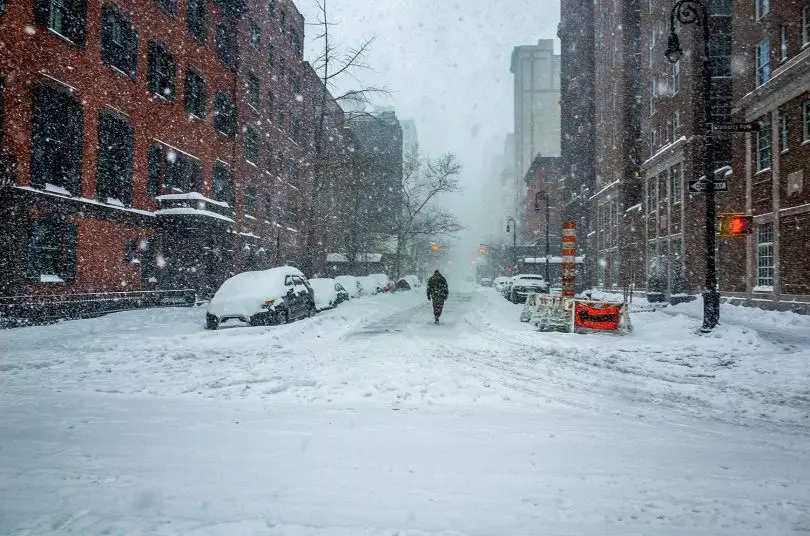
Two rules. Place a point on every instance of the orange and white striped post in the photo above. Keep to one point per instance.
(569, 258)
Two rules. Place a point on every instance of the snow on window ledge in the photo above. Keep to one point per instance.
(115, 202)
(763, 288)
(49, 278)
(54, 189)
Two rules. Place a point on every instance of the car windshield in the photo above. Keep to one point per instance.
(404, 267)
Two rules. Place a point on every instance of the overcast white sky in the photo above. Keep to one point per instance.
(447, 63)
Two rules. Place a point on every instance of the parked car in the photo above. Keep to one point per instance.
(485, 282)
(261, 298)
(328, 293)
(350, 283)
(408, 282)
(525, 284)
(499, 282)
(369, 285)
(383, 281)
(506, 288)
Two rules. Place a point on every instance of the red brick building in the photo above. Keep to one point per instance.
(771, 167)
(156, 144)
(542, 183)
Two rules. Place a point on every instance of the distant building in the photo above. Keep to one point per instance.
(536, 71)
(379, 141)
(410, 138)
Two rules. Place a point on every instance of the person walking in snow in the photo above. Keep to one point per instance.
(437, 291)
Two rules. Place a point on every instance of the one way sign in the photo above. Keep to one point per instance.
(697, 187)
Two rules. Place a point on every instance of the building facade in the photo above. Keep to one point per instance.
(543, 194)
(536, 74)
(150, 145)
(770, 167)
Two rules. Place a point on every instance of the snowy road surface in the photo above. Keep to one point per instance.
(369, 420)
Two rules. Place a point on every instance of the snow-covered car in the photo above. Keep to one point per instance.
(499, 282)
(485, 282)
(408, 282)
(261, 298)
(383, 281)
(350, 283)
(328, 293)
(525, 284)
(506, 288)
(369, 285)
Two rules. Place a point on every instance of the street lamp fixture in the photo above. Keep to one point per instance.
(688, 12)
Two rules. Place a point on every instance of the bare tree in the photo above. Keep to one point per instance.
(424, 181)
(331, 162)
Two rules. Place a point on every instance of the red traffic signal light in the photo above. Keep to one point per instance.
(736, 225)
(482, 250)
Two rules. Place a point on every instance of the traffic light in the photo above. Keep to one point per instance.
(736, 225)
(434, 247)
(482, 250)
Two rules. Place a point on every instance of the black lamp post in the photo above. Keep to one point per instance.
(537, 197)
(694, 12)
(514, 238)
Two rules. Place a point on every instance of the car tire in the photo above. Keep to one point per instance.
(211, 322)
(282, 317)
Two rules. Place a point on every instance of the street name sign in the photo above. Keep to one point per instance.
(697, 187)
(735, 127)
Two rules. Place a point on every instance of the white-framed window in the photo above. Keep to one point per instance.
(765, 266)
(783, 133)
(676, 77)
(764, 147)
(806, 122)
(763, 58)
(651, 90)
(652, 197)
(783, 31)
(676, 123)
(651, 45)
(806, 25)
(676, 184)
(763, 7)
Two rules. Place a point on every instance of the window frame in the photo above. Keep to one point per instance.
(763, 70)
(784, 133)
(250, 197)
(228, 116)
(123, 56)
(115, 163)
(222, 185)
(162, 68)
(766, 270)
(165, 169)
(676, 183)
(761, 8)
(72, 26)
(251, 145)
(255, 35)
(169, 7)
(197, 107)
(197, 20)
(763, 148)
(227, 45)
(253, 91)
(63, 235)
(783, 44)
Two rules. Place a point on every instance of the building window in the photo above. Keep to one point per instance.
(676, 78)
(52, 247)
(268, 208)
(291, 214)
(651, 46)
(783, 30)
(294, 128)
(227, 46)
(251, 145)
(806, 25)
(115, 160)
(250, 201)
(765, 257)
(292, 172)
(676, 184)
(119, 40)
(270, 104)
(676, 124)
(224, 114)
(168, 6)
(296, 84)
(295, 40)
(763, 53)
(783, 133)
(67, 18)
(57, 140)
(763, 6)
(271, 54)
(271, 8)
(252, 88)
(282, 21)
(764, 147)
(720, 7)
(196, 18)
(196, 93)
(652, 205)
(651, 91)
(222, 188)
(806, 121)
(161, 70)
(173, 170)
(255, 35)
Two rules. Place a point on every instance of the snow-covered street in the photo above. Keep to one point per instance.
(368, 419)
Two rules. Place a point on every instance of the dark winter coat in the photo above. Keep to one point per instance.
(437, 287)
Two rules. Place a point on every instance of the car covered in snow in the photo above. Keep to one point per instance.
(525, 284)
(383, 281)
(328, 293)
(261, 298)
(485, 282)
(408, 282)
(499, 282)
(369, 285)
(350, 283)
